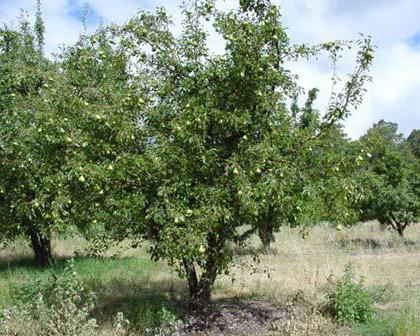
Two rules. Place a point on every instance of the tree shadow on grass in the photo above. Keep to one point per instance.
(28, 263)
(145, 309)
(149, 310)
(23, 262)
(164, 303)
(376, 244)
(147, 304)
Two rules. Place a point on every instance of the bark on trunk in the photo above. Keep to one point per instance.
(205, 286)
(200, 289)
(265, 232)
(41, 245)
(191, 277)
(266, 237)
(400, 230)
(399, 226)
(201, 293)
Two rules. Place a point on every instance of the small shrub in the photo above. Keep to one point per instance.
(348, 300)
(57, 305)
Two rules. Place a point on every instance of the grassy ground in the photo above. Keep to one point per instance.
(149, 293)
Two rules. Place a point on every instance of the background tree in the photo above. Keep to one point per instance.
(327, 186)
(336, 163)
(64, 126)
(413, 142)
(101, 100)
(392, 178)
(28, 167)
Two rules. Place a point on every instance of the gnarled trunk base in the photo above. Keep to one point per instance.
(200, 290)
(266, 230)
(41, 245)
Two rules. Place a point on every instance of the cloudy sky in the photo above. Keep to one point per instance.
(394, 94)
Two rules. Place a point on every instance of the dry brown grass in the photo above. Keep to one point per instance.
(305, 265)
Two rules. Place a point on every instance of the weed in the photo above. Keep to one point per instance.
(348, 300)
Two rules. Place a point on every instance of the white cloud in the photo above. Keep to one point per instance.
(393, 94)
(61, 27)
(115, 11)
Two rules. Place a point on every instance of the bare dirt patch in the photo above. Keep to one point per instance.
(255, 317)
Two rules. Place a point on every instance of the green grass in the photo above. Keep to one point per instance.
(397, 323)
(97, 273)
(408, 322)
(398, 312)
(381, 325)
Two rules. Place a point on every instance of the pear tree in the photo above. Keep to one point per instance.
(222, 145)
(391, 178)
(64, 125)
(28, 168)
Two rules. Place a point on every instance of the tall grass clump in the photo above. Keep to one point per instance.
(58, 305)
(408, 323)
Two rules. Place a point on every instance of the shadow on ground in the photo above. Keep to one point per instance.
(376, 244)
(251, 251)
(146, 310)
(28, 263)
(154, 311)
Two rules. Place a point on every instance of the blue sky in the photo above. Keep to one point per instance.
(415, 40)
(78, 12)
(394, 94)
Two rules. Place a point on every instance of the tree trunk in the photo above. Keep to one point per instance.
(200, 289)
(400, 230)
(205, 286)
(399, 226)
(41, 245)
(265, 231)
(191, 277)
(201, 293)
(266, 236)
